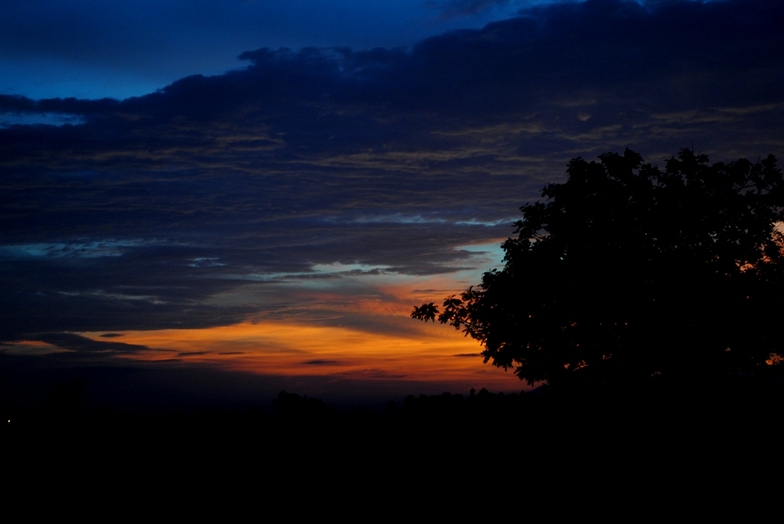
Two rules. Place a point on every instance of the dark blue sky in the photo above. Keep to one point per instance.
(326, 189)
(93, 49)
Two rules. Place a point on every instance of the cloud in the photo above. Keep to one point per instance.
(209, 200)
(322, 362)
(83, 345)
(377, 374)
(92, 48)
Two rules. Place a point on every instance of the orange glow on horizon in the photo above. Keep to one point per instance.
(28, 347)
(434, 353)
(363, 332)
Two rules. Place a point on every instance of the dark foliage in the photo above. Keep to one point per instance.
(292, 406)
(628, 272)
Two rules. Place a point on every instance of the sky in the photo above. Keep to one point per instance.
(212, 202)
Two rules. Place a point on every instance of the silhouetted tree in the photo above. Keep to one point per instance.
(628, 272)
(294, 407)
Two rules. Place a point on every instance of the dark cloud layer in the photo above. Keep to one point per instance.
(82, 345)
(387, 161)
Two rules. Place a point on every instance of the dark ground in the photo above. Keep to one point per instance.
(656, 432)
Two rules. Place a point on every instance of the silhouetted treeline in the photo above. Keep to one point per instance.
(418, 442)
(733, 397)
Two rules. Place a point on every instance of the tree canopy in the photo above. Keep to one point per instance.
(627, 271)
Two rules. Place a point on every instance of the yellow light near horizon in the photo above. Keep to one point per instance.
(288, 348)
(367, 335)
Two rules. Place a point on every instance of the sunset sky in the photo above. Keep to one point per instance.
(213, 201)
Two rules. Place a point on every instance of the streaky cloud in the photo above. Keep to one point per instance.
(203, 202)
